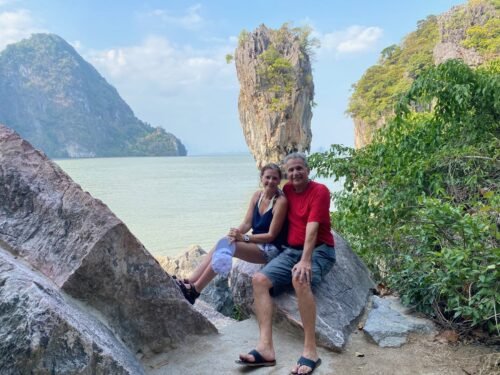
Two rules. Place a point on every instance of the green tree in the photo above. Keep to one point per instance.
(420, 203)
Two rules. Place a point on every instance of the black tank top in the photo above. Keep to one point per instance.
(262, 223)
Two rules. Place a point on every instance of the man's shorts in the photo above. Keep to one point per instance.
(279, 269)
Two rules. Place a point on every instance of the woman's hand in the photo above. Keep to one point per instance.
(234, 235)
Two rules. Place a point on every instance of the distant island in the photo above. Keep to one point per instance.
(61, 104)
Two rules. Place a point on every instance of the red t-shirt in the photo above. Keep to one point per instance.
(311, 205)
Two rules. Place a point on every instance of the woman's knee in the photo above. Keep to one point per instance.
(261, 280)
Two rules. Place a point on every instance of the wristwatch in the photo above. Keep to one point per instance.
(246, 238)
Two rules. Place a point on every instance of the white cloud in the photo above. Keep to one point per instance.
(353, 39)
(190, 20)
(16, 25)
(159, 66)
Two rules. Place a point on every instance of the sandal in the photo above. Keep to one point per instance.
(259, 360)
(303, 361)
(189, 293)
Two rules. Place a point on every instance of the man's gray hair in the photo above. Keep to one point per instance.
(296, 155)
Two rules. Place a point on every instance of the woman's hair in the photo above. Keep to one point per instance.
(273, 166)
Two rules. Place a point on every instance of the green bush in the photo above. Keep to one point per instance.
(420, 204)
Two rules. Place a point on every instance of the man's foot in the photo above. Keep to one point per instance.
(255, 359)
(305, 366)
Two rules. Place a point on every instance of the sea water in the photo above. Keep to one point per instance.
(172, 203)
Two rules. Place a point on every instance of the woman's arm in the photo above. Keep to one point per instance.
(279, 216)
(236, 234)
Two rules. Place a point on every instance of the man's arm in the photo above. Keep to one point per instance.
(302, 271)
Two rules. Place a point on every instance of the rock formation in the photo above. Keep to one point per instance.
(74, 241)
(436, 40)
(59, 103)
(453, 33)
(276, 92)
(43, 332)
(340, 298)
(389, 323)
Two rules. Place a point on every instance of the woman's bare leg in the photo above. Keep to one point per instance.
(204, 265)
(249, 252)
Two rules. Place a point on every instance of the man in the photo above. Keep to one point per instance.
(309, 256)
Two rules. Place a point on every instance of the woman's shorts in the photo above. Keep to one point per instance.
(222, 258)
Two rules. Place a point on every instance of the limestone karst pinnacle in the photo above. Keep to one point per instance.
(276, 91)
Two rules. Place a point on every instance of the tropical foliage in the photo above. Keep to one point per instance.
(421, 204)
(380, 88)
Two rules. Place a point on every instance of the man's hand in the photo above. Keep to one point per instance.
(302, 271)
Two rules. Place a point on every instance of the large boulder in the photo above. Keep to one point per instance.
(79, 244)
(42, 331)
(340, 298)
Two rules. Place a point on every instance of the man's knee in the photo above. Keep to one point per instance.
(301, 287)
(259, 280)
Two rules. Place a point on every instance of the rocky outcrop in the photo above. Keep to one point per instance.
(78, 243)
(183, 265)
(453, 26)
(389, 323)
(42, 331)
(364, 132)
(276, 92)
(467, 32)
(340, 298)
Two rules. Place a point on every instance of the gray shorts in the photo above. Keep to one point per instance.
(279, 269)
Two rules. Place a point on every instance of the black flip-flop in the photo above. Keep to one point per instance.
(303, 361)
(259, 361)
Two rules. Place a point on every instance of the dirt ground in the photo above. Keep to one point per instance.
(421, 355)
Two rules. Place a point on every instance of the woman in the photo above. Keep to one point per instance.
(266, 216)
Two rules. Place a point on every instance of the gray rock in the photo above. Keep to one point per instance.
(218, 319)
(77, 242)
(218, 294)
(44, 332)
(340, 299)
(389, 324)
(183, 265)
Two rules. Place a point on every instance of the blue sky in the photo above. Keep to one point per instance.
(166, 58)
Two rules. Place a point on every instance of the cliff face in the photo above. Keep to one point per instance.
(453, 26)
(63, 106)
(276, 93)
(468, 32)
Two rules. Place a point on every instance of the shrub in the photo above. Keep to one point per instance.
(420, 204)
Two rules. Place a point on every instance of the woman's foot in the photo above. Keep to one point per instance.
(188, 290)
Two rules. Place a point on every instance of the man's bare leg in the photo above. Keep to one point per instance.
(263, 305)
(307, 309)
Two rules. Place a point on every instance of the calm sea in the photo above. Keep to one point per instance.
(172, 203)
